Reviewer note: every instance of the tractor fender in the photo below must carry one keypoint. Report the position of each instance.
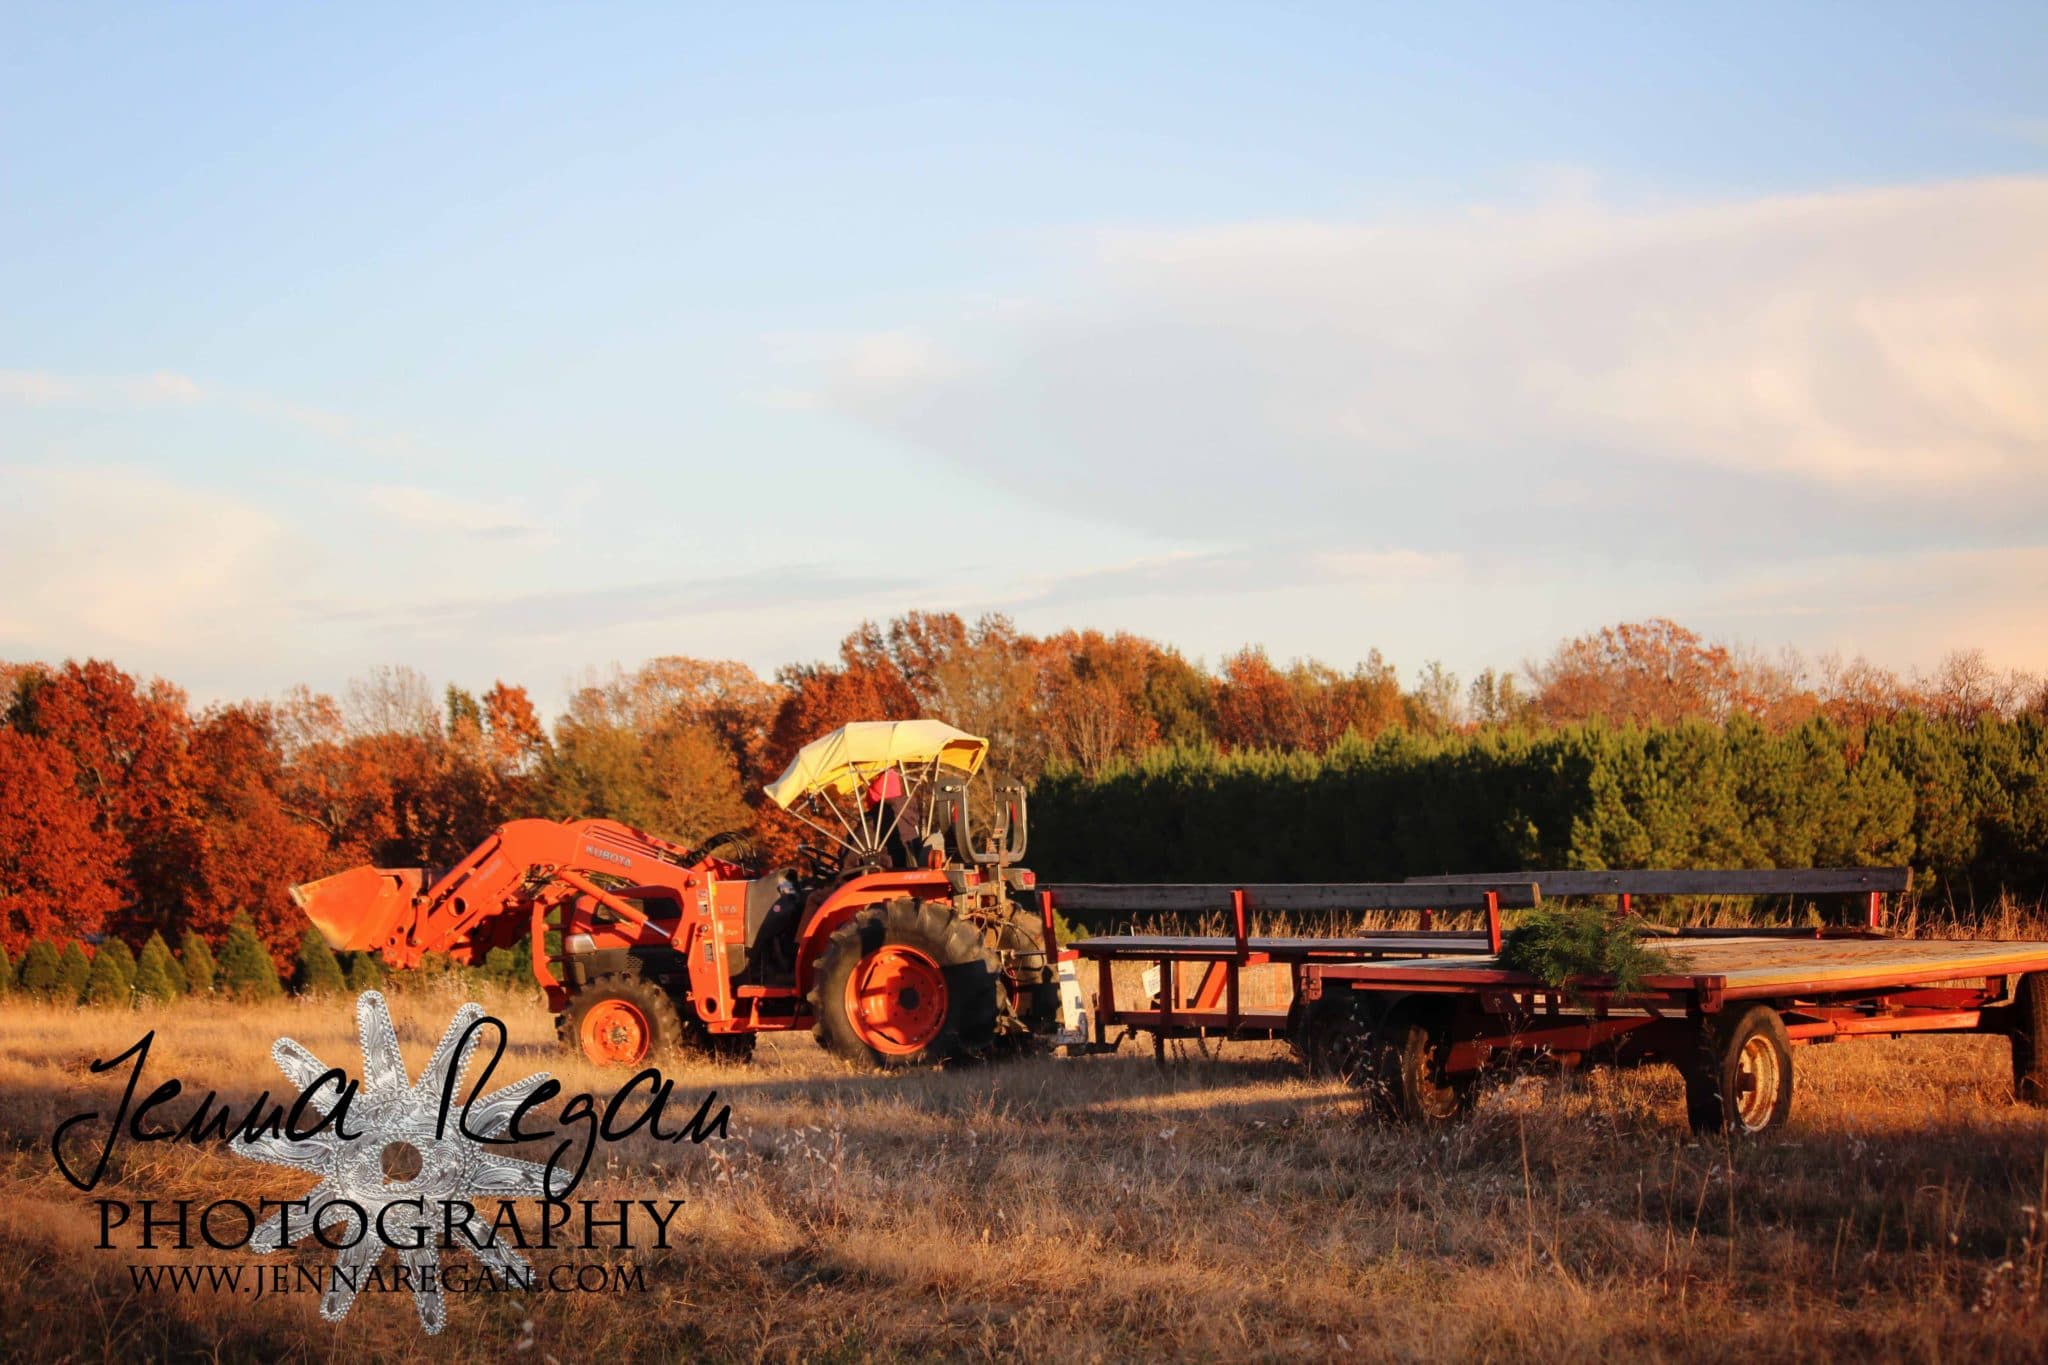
(842, 902)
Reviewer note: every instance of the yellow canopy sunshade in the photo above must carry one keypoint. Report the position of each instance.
(851, 756)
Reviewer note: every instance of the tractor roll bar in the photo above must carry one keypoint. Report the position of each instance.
(1011, 830)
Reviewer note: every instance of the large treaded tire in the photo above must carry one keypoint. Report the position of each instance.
(673, 1028)
(602, 1016)
(912, 932)
(1332, 1035)
(1740, 1080)
(1403, 1069)
(1029, 1012)
(2029, 1034)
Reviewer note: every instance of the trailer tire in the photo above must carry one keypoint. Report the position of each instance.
(903, 984)
(1403, 1072)
(2029, 1034)
(619, 1019)
(1740, 1080)
(1331, 1036)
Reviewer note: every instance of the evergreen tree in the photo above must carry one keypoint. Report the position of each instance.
(195, 963)
(72, 969)
(124, 960)
(174, 972)
(246, 971)
(318, 973)
(105, 982)
(39, 969)
(153, 972)
(364, 973)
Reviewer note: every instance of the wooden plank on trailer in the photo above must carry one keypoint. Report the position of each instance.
(1791, 962)
(1151, 947)
(1798, 963)
(1516, 893)
(1811, 881)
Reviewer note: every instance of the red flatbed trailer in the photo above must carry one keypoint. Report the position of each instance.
(1418, 1018)
(1216, 1005)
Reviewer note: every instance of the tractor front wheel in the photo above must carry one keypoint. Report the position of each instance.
(904, 984)
(619, 1020)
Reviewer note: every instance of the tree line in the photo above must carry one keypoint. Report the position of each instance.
(1966, 805)
(125, 812)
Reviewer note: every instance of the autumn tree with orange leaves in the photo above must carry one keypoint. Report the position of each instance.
(255, 845)
(128, 746)
(59, 876)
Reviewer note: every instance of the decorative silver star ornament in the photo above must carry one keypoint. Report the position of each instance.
(389, 1110)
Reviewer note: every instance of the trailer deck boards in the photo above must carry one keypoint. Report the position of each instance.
(1779, 964)
(1198, 947)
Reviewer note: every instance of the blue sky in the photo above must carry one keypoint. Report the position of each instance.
(516, 344)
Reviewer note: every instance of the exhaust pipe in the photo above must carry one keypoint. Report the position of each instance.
(363, 908)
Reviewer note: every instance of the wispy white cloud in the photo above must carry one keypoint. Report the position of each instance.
(164, 388)
(115, 559)
(1910, 609)
(579, 614)
(1713, 377)
(46, 388)
(1235, 572)
(481, 515)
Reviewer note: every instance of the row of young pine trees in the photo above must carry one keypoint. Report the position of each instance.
(111, 975)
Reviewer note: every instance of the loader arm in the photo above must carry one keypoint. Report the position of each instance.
(487, 900)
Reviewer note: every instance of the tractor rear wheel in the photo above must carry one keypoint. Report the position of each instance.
(620, 1020)
(2029, 1024)
(905, 983)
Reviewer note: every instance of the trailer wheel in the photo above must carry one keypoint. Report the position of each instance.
(903, 984)
(2029, 1024)
(1331, 1036)
(619, 1020)
(1403, 1072)
(1741, 1081)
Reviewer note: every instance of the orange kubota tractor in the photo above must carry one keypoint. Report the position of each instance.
(905, 938)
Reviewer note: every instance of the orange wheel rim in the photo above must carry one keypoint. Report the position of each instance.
(615, 1033)
(896, 999)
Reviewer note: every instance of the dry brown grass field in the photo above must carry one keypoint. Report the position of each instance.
(1106, 1209)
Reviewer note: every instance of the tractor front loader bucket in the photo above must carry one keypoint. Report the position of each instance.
(361, 908)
